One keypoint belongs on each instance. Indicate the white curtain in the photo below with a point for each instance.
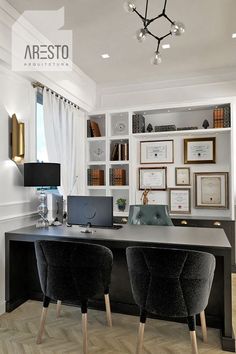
(62, 121)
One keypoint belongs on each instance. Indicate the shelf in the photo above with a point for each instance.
(183, 132)
(96, 187)
(119, 137)
(119, 187)
(124, 214)
(93, 163)
(99, 138)
(120, 162)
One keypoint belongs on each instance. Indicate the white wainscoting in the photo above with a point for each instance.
(7, 224)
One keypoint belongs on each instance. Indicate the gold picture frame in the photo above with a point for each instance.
(157, 151)
(200, 150)
(154, 178)
(211, 190)
(183, 180)
(180, 200)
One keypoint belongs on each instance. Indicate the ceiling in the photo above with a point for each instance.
(102, 26)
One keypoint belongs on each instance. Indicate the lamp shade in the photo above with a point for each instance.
(40, 174)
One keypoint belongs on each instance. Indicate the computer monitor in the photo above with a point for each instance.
(90, 211)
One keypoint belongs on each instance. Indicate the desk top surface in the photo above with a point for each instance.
(169, 235)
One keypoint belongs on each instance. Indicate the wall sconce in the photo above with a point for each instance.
(17, 140)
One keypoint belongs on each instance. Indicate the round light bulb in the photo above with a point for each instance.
(156, 59)
(141, 35)
(177, 28)
(129, 6)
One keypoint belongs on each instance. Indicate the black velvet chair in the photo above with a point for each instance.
(149, 215)
(171, 283)
(73, 272)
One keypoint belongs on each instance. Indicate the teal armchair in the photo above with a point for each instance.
(149, 215)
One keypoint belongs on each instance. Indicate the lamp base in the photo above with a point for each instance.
(42, 223)
(42, 210)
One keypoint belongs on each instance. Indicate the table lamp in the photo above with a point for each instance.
(41, 175)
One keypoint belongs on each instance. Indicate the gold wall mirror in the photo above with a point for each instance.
(17, 140)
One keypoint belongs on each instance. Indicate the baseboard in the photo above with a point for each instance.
(2, 307)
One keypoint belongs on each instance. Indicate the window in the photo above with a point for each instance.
(41, 149)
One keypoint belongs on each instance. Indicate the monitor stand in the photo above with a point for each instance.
(88, 229)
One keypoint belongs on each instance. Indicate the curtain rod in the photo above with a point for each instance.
(37, 84)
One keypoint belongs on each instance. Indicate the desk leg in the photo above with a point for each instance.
(16, 273)
(228, 340)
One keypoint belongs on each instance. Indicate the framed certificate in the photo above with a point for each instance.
(182, 176)
(152, 178)
(211, 190)
(200, 150)
(180, 200)
(161, 151)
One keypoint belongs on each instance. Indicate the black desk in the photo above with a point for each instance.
(22, 281)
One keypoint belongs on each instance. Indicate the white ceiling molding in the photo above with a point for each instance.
(74, 85)
(165, 94)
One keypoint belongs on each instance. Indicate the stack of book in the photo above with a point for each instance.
(218, 118)
(93, 129)
(226, 116)
(120, 152)
(138, 123)
(95, 177)
(165, 128)
(117, 177)
(221, 117)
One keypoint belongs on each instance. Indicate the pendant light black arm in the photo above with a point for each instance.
(146, 11)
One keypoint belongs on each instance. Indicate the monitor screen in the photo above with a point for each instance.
(92, 211)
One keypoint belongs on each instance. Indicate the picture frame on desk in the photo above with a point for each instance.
(211, 190)
(182, 176)
(157, 152)
(180, 200)
(200, 150)
(154, 178)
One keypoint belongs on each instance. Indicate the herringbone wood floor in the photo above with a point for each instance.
(18, 330)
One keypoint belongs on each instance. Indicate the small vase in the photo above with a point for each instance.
(121, 207)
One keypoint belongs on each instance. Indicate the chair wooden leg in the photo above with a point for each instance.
(58, 308)
(85, 333)
(203, 325)
(194, 342)
(192, 329)
(108, 309)
(140, 338)
(46, 302)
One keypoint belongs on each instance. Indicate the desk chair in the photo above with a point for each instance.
(171, 283)
(74, 272)
(149, 215)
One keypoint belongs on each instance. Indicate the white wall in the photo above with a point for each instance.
(17, 204)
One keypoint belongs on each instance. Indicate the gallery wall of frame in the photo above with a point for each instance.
(182, 154)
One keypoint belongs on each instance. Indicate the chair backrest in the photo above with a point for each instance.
(170, 282)
(149, 215)
(73, 270)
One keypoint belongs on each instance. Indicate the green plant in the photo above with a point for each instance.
(121, 202)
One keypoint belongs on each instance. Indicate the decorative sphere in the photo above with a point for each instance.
(157, 59)
(177, 28)
(141, 35)
(129, 6)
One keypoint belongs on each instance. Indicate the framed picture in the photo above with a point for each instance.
(182, 176)
(200, 150)
(154, 178)
(180, 200)
(161, 151)
(211, 190)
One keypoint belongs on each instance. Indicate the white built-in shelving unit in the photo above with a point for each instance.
(117, 127)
